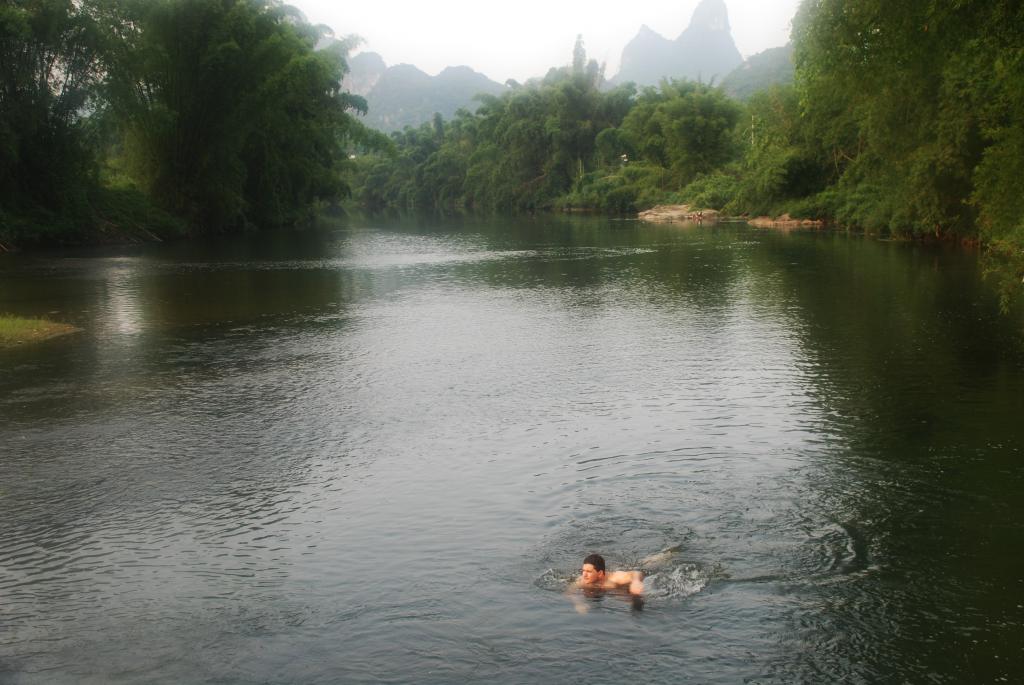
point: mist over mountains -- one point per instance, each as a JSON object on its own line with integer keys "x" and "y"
{"x": 403, "y": 95}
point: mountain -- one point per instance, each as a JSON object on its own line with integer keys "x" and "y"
{"x": 771, "y": 67}
{"x": 704, "y": 51}
{"x": 365, "y": 69}
{"x": 402, "y": 95}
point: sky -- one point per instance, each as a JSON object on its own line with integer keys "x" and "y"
{"x": 521, "y": 39}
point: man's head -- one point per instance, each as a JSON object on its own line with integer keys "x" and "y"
{"x": 592, "y": 570}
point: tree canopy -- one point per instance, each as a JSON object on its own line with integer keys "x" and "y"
{"x": 221, "y": 112}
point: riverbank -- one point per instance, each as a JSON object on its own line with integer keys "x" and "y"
{"x": 689, "y": 214}
{"x": 108, "y": 216}
{"x": 784, "y": 221}
{"x": 678, "y": 213}
{"x": 15, "y": 330}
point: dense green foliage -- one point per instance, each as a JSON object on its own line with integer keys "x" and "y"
{"x": 207, "y": 114}
{"x": 904, "y": 118}
{"x": 562, "y": 141}
{"x": 48, "y": 72}
{"x": 516, "y": 153}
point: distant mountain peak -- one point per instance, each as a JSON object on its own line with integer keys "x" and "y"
{"x": 705, "y": 50}
{"x": 369, "y": 59}
{"x": 404, "y": 95}
{"x": 460, "y": 71}
{"x": 365, "y": 69}
{"x": 710, "y": 15}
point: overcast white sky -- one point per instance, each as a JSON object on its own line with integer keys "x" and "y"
{"x": 523, "y": 38}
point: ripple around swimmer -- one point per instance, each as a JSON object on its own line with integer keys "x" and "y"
{"x": 829, "y": 552}
{"x": 675, "y": 581}
{"x": 837, "y": 549}
{"x": 656, "y": 548}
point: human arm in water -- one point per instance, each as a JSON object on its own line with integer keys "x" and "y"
{"x": 573, "y": 593}
{"x": 631, "y": 580}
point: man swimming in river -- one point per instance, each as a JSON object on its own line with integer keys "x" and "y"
{"x": 594, "y": 577}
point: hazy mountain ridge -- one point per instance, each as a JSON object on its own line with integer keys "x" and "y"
{"x": 403, "y": 95}
{"x": 704, "y": 51}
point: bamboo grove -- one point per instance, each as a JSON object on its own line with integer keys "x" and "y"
{"x": 165, "y": 116}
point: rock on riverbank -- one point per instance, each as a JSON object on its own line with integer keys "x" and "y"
{"x": 678, "y": 213}
{"x": 784, "y": 221}
{"x": 686, "y": 213}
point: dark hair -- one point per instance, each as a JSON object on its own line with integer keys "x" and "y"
{"x": 595, "y": 560}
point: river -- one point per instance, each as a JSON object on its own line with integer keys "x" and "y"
{"x": 377, "y": 451}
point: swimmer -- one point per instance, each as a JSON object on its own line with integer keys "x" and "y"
{"x": 593, "y": 577}
{"x": 595, "y": 580}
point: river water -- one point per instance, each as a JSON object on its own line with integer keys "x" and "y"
{"x": 375, "y": 453}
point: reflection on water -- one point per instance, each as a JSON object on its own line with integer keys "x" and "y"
{"x": 379, "y": 453}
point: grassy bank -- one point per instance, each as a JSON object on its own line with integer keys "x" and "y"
{"x": 15, "y": 330}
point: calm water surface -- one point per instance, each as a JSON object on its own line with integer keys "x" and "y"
{"x": 375, "y": 453}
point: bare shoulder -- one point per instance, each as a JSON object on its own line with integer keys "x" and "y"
{"x": 622, "y": 577}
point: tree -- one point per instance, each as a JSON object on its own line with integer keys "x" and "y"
{"x": 231, "y": 117}
{"x": 50, "y": 65}
{"x": 517, "y": 152}
{"x": 685, "y": 127}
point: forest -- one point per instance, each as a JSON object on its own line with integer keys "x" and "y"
{"x": 905, "y": 119}
{"x": 143, "y": 119}
{"x": 195, "y": 116}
